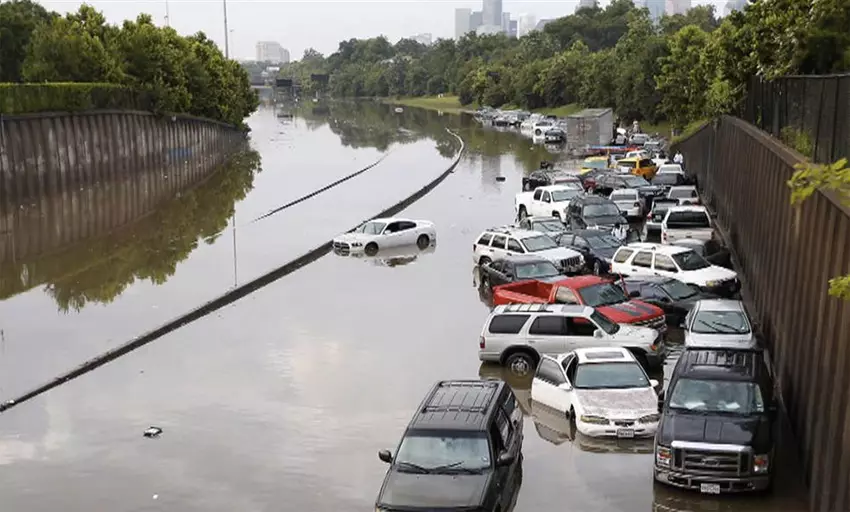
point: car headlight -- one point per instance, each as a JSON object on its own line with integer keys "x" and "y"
{"x": 711, "y": 284}
{"x": 663, "y": 456}
{"x": 761, "y": 463}
{"x": 650, "y": 418}
{"x": 595, "y": 420}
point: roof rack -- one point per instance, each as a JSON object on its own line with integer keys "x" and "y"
{"x": 529, "y": 308}
{"x": 506, "y": 229}
{"x": 457, "y": 408}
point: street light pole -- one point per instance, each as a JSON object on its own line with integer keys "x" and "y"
{"x": 226, "y": 32}
{"x": 167, "y": 15}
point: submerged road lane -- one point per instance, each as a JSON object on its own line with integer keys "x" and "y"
{"x": 281, "y": 401}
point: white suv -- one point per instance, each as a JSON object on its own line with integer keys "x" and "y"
{"x": 680, "y": 263}
{"x": 516, "y": 335}
{"x": 498, "y": 243}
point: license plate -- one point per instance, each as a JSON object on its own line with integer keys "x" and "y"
{"x": 709, "y": 488}
{"x": 625, "y": 433}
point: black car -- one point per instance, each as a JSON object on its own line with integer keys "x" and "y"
{"x": 674, "y": 297}
{"x": 717, "y": 428}
{"x": 593, "y": 212}
{"x": 665, "y": 180}
{"x": 608, "y": 183}
{"x": 549, "y": 225}
{"x": 711, "y": 250}
{"x": 545, "y": 177}
{"x": 597, "y": 247}
{"x": 462, "y": 451}
{"x": 555, "y": 135}
{"x": 518, "y": 268}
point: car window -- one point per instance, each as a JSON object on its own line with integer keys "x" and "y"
{"x": 682, "y": 193}
{"x": 720, "y": 322}
{"x": 687, "y": 220}
{"x": 507, "y": 324}
{"x": 570, "y": 368}
{"x": 623, "y": 255}
{"x": 643, "y": 259}
{"x": 469, "y": 450}
{"x": 665, "y": 263}
{"x": 549, "y": 371}
{"x": 564, "y": 295}
{"x": 372, "y": 228}
{"x": 499, "y": 242}
{"x": 537, "y": 194}
{"x": 514, "y": 246}
{"x": 610, "y": 376}
{"x": 735, "y": 397}
{"x": 505, "y": 429}
{"x": 536, "y": 270}
{"x": 646, "y": 162}
{"x": 579, "y": 242}
{"x": 580, "y": 328}
{"x": 392, "y": 227}
{"x": 485, "y": 239}
{"x": 404, "y": 225}
{"x": 548, "y": 326}
{"x": 545, "y": 197}
{"x": 651, "y": 292}
{"x": 602, "y": 294}
{"x": 525, "y": 223}
{"x": 689, "y": 260}
{"x": 539, "y": 243}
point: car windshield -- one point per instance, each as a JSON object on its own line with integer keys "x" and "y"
{"x": 604, "y": 322}
{"x": 602, "y": 294}
{"x": 678, "y": 290}
{"x": 689, "y": 260}
{"x": 600, "y": 210}
{"x": 436, "y": 453}
{"x": 538, "y": 243}
{"x": 549, "y": 225}
{"x": 635, "y": 182}
{"x": 372, "y": 228}
{"x": 610, "y": 376}
{"x": 682, "y": 193}
{"x": 564, "y": 195}
{"x": 717, "y": 396}
{"x": 669, "y": 169}
{"x": 536, "y": 270}
{"x": 603, "y": 242}
{"x": 665, "y": 179}
{"x": 688, "y": 220}
{"x": 595, "y": 164}
{"x": 721, "y": 322}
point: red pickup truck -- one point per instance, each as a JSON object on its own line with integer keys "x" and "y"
{"x": 593, "y": 291}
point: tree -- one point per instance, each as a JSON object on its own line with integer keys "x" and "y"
{"x": 18, "y": 20}
{"x": 702, "y": 16}
{"x": 683, "y": 79}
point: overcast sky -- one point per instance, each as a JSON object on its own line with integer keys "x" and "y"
{"x": 301, "y": 24}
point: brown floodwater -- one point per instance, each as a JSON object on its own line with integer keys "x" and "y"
{"x": 282, "y": 400}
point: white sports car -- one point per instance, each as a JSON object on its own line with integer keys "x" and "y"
{"x": 604, "y": 392}
{"x": 384, "y": 233}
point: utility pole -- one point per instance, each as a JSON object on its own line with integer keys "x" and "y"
{"x": 167, "y": 15}
{"x": 226, "y": 32}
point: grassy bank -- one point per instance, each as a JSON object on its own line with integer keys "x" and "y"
{"x": 446, "y": 103}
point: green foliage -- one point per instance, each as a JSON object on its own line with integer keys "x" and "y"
{"x": 69, "y": 97}
{"x": 171, "y": 72}
{"x": 834, "y": 177}
{"x": 797, "y": 139}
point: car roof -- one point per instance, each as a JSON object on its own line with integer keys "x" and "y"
{"x": 721, "y": 364}
{"x": 458, "y": 405}
{"x": 720, "y": 305}
{"x": 393, "y": 219}
{"x": 688, "y": 208}
{"x": 646, "y": 246}
{"x": 593, "y": 355}
{"x": 512, "y": 231}
{"x": 565, "y": 309}
{"x": 631, "y": 191}
{"x": 683, "y": 187}
{"x": 589, "y": 233}
{"x": 592, "y": 199}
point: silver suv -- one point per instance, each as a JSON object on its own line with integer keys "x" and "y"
{"x": 515, "y": 335}
{"x": 499, "y": 243}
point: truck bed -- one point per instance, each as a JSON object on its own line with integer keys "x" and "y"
{"x": 522, "y": 292}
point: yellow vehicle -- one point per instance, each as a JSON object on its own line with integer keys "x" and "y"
{"x": 593, "y": 162}
{"x": 639, "y": 166}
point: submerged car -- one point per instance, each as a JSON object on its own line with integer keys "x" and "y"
{"x": 542, "y": 224}
{"x": 597, "y": 247}
{"x": 674, "y": 297}
{"x": 518, "y": 268}
{"x": 604, "y": 392}
{"x": 384, "y": 233}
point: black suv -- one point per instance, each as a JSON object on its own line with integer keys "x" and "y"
{"x": 717, "y": 427}
{"x": 593, "y": 212}
{"x": 461, "y": 451}
{"x": 674, "y": 297}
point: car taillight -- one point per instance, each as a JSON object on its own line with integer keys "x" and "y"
{"x": 481, "y": 342}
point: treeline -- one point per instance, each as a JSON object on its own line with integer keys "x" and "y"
{"x": 686, "y": 67}
{"x": 178, "y": 74}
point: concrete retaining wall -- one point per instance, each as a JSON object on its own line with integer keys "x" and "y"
{"x": 45, "y": 154}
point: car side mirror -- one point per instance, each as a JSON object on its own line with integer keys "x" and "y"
{"x": 505, "y": 459}
{"x": 598, "y": 334}
{"x": 385, "y": 456}
{"x": 654, "y": 383}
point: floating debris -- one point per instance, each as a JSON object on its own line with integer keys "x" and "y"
{"x": 153, "y": 432}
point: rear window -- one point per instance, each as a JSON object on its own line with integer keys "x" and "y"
{"x": 507, "y": 324}
{"x": 682, "y": 193}
{"x": 485, "y": 239}
{"x": 646, "y": 163}
{"x": 623, "y": 255}
{"x": 688, "y": 220}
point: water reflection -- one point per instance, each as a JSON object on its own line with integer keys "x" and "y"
{"x": 99, "y": 268}
{"x": 391, "y": 257}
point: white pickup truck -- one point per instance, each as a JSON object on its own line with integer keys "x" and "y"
{"x": 548, "y": 201}
{"x": 682, "y": 222}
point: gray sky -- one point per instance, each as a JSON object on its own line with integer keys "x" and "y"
{"x": 300, "y": 24}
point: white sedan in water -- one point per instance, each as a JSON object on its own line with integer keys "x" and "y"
{"x": 380, "y": 234}
{"x": 605, "y": 391}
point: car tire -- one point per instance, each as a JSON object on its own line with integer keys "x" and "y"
{"x": 423, "y": 242}
{"x": 597, "y": 268}
{"x": 483, "y": 261}
{"x": 523, "y": 213}
{"x": 556, "y": 215}
{"x": 521, "y": 362}
{"x": 371, "y": 249}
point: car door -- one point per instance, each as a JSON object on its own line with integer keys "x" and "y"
{"x": 547, "y": 334}
{"x": 544, "y": 206}
{"x": 580, "y": 333}
{"x": 550, "y": 386}
{"x": 536, "y": 199}
{"x": 482, "y": 247}
{"x": 391, "y": 235}
{"x": 499, "y": 247}
{"x": 514, "y": 247}
{"x": 642, "y": 263}
{"x": 664, "y": 266}
{"x": 406, "y": 233}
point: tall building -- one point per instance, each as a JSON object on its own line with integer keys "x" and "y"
{"x": 492, "y": 13}
{"x": 656, "y": 9}
{"x": 463, "y": 19}
{"x": 585, "y": 3}
{"x": 476, "y": 20}
{"x": 425, "y": 38}
{"x": 526, "y": 24}
{"x": 489, "y": 30}
{"x": 512, "y": 29}
{"x": 506, "y": 22}
{"x": 272, "y": 51}
{"x": 677, "y": 7}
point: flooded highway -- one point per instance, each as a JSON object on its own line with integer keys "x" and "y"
{"x": 282, "y": 400}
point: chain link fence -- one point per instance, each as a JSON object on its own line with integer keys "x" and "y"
{"x": 808, "y": 113}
